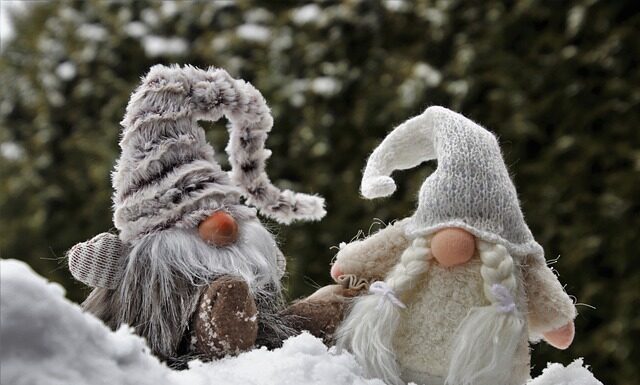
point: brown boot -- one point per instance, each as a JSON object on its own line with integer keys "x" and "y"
{"x": 225, "y": 321}
{"x": 322, "y": 312}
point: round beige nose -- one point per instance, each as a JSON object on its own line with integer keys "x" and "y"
{"x": 453, "y": 246}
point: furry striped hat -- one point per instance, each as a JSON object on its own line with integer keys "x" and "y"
{"x": 470, "y": 189}
{"x": 167, "y": 176}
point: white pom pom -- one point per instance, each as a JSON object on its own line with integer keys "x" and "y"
{"x": 376, "y": 187}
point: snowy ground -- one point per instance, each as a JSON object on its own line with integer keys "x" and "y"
{"x": 46, "y": 339}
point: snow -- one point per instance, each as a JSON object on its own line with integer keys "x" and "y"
{"x": 575, "y": 19}
{"x": 6, "y": 26}
{"x": 150, "y": 17}
{"x": 48, "y": 340}
{"x": 301, "y": 360}
{"x": 258, "y": 15}
{"x": 325, "y": 86}
{"x": 458, "y": 87}
{"x": 430, "y": 75}
{"x": 253, "y": 32}
{"x": 573, "y": 374}
{"x": 169, "y": 8}
{"x": 11, "y": 151}
{"x": 66, "y": 70}
{"x": 434, "y": 16}
{"x": 136, "y": 29}
{"x": 92, "y": 32}
{"x": 305, "y": 14}
{"x": 159, "y": 45}
{"x": 396, "y": 5}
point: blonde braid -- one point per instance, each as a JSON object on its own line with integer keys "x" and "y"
{"x": 413, "y": 264}
{"x": 484, "y": 348}
{"x": 497, "y": 269}
{"x": 369, "y": 329}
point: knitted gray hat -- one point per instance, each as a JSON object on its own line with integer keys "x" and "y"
{"x": 167, "y": 175}
{"x": 470, "y": 189}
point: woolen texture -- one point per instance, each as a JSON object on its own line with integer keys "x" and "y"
{"x": 442, "y": 300}
{"x": 167, "y": 175}
{"x": 97, "y": 262}
{"x": 373, "y": 257}
{"x": 460, "y": 325}
{"x": 470, "y": 189}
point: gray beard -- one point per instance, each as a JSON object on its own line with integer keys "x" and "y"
{"x": 164, "y": 275}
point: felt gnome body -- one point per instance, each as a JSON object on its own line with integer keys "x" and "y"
{"x": 459, "y": 288}
{"x": 192, "y": 269}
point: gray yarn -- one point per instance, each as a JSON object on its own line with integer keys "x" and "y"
{"x": 167, "y": 176}
{"x": 470, "y": 189}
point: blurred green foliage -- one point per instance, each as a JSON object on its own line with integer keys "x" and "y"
{"x": 557, "y": 81}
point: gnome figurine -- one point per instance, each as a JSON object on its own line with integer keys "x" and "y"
{"x": 192, "y": 269}
{"x": 456, "y": 291}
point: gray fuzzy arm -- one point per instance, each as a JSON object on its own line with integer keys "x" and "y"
{"x": 373, "y": 257}
{"x": 550, "y": 307}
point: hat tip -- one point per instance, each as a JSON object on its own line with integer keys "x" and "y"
{"x": 377, "y": 187}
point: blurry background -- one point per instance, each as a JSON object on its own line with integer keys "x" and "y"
{"x": 557, "y": 81}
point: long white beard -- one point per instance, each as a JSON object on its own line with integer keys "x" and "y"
{"x": 166, "y": 271}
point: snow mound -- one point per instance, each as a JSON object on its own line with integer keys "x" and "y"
{"x": 301, "y": 360}
{"x": 46, "y": 339}
{"x": 573, "y": 374}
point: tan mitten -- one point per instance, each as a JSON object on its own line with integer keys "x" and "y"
{"x": 372, "y": 258}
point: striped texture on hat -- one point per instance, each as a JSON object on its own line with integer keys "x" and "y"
{"x": 167, "y": 176}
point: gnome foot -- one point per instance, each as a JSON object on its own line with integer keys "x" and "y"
{"x": 226, "y": 319}
{"x": 321, "y": 313}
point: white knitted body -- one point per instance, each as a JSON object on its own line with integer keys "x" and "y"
{"x": 434, "y": 311}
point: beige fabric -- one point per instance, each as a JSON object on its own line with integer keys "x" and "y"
{"x": 351, "y": 281}
{"x": 373, "y": 257}
{"x": 550, "y": 307}
{"x": 333, "y": 293}
{"x": 435, "y": 309}
{"x": 421, "y": 378}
